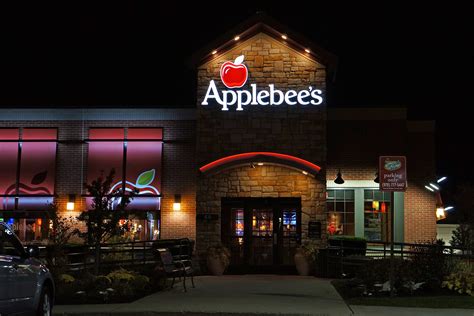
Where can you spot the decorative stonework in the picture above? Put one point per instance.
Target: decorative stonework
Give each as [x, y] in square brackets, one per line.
[261, 181]
[295, 130]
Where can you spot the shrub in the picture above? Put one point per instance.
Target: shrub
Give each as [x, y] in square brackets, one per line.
[310, 250]
[429, 264]
[121, 275]
[66, 278]
[461, 281]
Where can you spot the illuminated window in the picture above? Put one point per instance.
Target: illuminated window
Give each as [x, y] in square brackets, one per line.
[376, 209]
[137, 151]
[340, 212]
[135, 155]
[29, 155]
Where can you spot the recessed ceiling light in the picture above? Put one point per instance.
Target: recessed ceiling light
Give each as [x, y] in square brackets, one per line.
[260, 163]
[236, 38]
[307, 50]
[214, 52]
[284, 36]
[305, 172]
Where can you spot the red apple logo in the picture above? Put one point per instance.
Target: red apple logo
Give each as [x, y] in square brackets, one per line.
[234, 74]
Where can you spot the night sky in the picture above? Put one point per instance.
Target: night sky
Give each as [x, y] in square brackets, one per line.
[130, 53]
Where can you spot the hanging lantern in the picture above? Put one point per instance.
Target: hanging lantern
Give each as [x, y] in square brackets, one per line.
[375, 205]
[383, 208]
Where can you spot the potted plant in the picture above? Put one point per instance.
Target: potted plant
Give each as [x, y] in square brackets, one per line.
[218, 259]
[305, 257]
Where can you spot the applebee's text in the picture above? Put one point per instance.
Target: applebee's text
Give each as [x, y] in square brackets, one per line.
[272, 96]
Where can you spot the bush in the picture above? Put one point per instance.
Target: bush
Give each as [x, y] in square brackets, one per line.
[352, 245]
[118, 286]
[461, 281]
[429, 264]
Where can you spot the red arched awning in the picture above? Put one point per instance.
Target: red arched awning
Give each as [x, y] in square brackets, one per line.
[256, 157]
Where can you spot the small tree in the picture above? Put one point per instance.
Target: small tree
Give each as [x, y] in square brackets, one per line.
[62, 231]
[463, 236]
[108, 207]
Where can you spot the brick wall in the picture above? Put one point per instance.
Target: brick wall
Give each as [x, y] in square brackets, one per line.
[420, 216]
[178, 165]
[290, 129]
[354, 146]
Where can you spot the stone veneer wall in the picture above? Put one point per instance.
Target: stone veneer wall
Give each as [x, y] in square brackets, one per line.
[290, 129]
[262, 181]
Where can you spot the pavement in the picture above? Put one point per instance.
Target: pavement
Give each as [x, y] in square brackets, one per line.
[248, 295]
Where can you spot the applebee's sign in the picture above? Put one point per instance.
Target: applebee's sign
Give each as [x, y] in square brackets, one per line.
[234, 75]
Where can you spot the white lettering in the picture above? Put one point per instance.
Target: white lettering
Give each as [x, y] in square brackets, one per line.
[302, 95]
[248, 99]
[281, 96]
[225, 94]
[262, 95]
[272, 96]
[215, 94]
[289, 95]
[316, 95]
[254, 94]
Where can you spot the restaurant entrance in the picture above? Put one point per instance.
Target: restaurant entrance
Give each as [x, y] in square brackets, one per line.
[261, 233]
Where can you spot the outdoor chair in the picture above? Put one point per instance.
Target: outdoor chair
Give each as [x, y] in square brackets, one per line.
[174, 268]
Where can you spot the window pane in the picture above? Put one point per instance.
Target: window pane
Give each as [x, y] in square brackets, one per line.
[349, 195]
[349, 217]
[378, 195]
[339, 206]
[368, 194]
[330, 206]
[340, 194]
[349, 206]
[330, 194]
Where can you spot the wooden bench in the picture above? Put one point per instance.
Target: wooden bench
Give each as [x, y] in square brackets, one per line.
[176, 267]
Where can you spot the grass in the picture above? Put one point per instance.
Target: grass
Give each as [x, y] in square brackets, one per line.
[443, 300]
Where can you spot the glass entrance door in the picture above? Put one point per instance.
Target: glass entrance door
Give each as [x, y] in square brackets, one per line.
[261, 241]
[261, 232]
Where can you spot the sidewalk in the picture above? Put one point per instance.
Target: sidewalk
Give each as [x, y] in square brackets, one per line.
[249, 295]
[229, 294]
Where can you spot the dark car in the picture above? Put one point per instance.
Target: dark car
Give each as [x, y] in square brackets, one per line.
[26, 285]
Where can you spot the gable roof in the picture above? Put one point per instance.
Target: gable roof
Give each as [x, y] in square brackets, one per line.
[262, 23]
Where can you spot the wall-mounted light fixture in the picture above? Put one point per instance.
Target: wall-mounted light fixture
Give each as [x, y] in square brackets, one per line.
[377, 179]
[177, 202]
[71, 202]
[339, 179]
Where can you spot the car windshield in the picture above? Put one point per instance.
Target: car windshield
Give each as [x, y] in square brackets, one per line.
[9, 243]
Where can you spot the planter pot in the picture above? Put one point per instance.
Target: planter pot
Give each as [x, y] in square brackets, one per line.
[215, 266]
[303, 266]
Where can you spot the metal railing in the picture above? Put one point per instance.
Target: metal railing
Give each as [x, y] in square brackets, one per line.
[117, 254]
[338, 258]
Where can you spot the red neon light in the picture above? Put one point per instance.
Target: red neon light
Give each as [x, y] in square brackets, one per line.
[234, 158]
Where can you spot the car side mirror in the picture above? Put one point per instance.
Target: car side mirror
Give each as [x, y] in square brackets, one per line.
[33, 251]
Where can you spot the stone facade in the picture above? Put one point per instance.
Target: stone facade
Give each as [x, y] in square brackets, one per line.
[261, 181]
[289, 129]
